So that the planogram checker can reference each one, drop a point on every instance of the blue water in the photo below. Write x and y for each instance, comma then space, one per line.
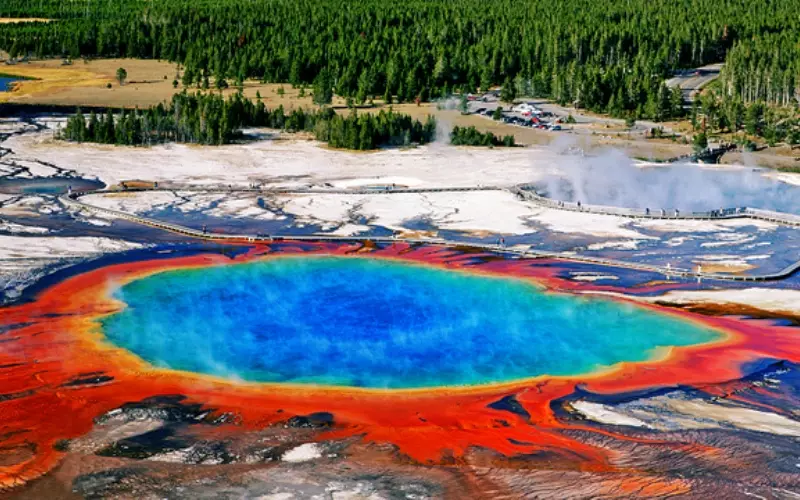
5, 83
47, 185
377, 323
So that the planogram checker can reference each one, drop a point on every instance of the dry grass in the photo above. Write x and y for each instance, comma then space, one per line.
85, 84
149, 82
15, 20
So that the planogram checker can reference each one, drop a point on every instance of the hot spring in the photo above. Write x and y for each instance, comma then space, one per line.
48, 185
377, 323
7, 82
613, 180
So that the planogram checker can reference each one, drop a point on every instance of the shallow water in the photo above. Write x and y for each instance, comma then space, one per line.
378, 323
6, 83
47, 185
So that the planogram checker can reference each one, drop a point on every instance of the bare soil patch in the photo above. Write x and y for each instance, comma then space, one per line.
725, 268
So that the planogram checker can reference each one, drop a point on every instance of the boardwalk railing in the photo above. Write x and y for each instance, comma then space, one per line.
527, 192
374, 189
523, 191
72, 200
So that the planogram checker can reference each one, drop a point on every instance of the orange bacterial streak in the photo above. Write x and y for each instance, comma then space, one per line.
56, 339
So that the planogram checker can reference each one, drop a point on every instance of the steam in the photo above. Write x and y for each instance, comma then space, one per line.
443, 128
444, 125
613, 179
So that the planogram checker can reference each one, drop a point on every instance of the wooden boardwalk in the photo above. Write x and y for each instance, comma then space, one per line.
522, 191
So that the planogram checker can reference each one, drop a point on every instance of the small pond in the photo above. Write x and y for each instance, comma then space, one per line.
48, 185
7, 82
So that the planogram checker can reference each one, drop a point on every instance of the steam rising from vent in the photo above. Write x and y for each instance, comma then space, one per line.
443, 125
613, 179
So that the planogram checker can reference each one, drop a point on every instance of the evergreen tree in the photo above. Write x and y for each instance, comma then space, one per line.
208, 118
754, 117
605, 56
470, 136
509, 91
463, 104
676, 102
122, 74
700, 141
323, 88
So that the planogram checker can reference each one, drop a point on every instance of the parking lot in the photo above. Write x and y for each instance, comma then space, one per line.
523, 114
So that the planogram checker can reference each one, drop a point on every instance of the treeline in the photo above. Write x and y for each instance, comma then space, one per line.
205, 118
470, 136
367, 131
192, 118
765, 69
758, 92
609, 56
719, 113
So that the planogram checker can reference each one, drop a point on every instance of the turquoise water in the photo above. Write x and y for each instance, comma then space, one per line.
48, 185
377, 323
